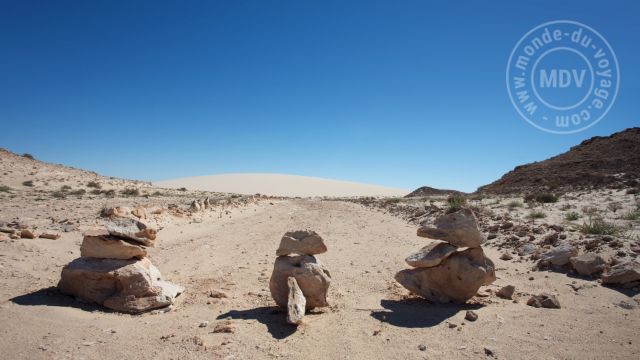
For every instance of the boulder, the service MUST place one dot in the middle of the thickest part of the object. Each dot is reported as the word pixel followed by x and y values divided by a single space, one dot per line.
pixel 27 234
pixel 459 229
pixel 588 264
pixel 456 279
pixel 99 244
pixel 130 286
pixel 430 255
pixel 544 300
pixel 560 255
pixel 627 273
pixel 139 213
pixel 526 249
pixel 506 292
pixel 303 242
pixel 312 278
pixel 133 230
pixel 296 303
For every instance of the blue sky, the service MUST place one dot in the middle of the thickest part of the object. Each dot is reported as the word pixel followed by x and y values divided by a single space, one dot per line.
pixel 397 93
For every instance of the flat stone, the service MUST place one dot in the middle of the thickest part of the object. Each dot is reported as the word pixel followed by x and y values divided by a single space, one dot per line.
pixel 302 242
pixel 131 229
pixel 100 244
pixel 459 229
pixel 296 303
pixel 430 255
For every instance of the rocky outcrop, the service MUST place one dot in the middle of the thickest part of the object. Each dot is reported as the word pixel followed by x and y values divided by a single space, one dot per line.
pixel 443 273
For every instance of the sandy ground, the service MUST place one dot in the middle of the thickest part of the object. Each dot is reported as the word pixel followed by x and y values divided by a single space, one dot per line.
pixel 371 317
pixel 280 185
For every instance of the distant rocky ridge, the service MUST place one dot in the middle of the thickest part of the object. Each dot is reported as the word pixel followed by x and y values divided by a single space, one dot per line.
pixel 429 191
pixel 600 162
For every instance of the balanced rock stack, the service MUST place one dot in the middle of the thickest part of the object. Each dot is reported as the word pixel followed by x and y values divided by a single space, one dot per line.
pixel 113 270
pixel 443 272
pixel 299 282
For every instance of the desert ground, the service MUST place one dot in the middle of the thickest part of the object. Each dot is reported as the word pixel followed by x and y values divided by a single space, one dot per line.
pixel 224 256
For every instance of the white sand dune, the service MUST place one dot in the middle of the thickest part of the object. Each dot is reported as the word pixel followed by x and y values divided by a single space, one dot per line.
pixel 279 185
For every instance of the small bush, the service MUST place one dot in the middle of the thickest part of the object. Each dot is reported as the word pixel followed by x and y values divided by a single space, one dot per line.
pixel 156 193
pixel 4 188
pixel 599 226
pixel 130 192
pixel 59 194
pixel 96 191
pixel 78 192
pixel 456 202
pixel 544 198
pixel 65 188
pixel 514 204
pixel 537 215
pixel 391 201
pixel 28 156
pixel 94 184
pixel 28 183
pixel 614 206
pixel 565 207
pixel 182 189
pixel 110 193
pixel 631 215
pixel 571 216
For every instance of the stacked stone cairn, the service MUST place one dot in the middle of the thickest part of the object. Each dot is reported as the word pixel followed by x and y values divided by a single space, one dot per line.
pixel 299 281
pixel 113 270
pixel 451 270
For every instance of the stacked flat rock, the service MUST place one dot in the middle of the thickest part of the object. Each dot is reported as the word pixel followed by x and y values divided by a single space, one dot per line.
pixel 299 281
pixel 451 270
pixel 113 270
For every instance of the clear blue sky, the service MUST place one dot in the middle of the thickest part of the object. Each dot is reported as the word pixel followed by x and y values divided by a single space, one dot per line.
pixel 397 93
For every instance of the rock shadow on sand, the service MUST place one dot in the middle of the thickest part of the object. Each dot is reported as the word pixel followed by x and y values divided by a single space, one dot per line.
pixel 417 312
pixel 272 316
pixel 50 296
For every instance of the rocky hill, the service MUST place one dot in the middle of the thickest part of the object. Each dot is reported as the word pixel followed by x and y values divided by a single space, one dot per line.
pixel 429 191
pixel 600 162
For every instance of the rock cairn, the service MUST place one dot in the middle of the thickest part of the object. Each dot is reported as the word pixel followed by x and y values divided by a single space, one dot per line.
pixel 113 270
pixel 299 282
pixel 451 270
